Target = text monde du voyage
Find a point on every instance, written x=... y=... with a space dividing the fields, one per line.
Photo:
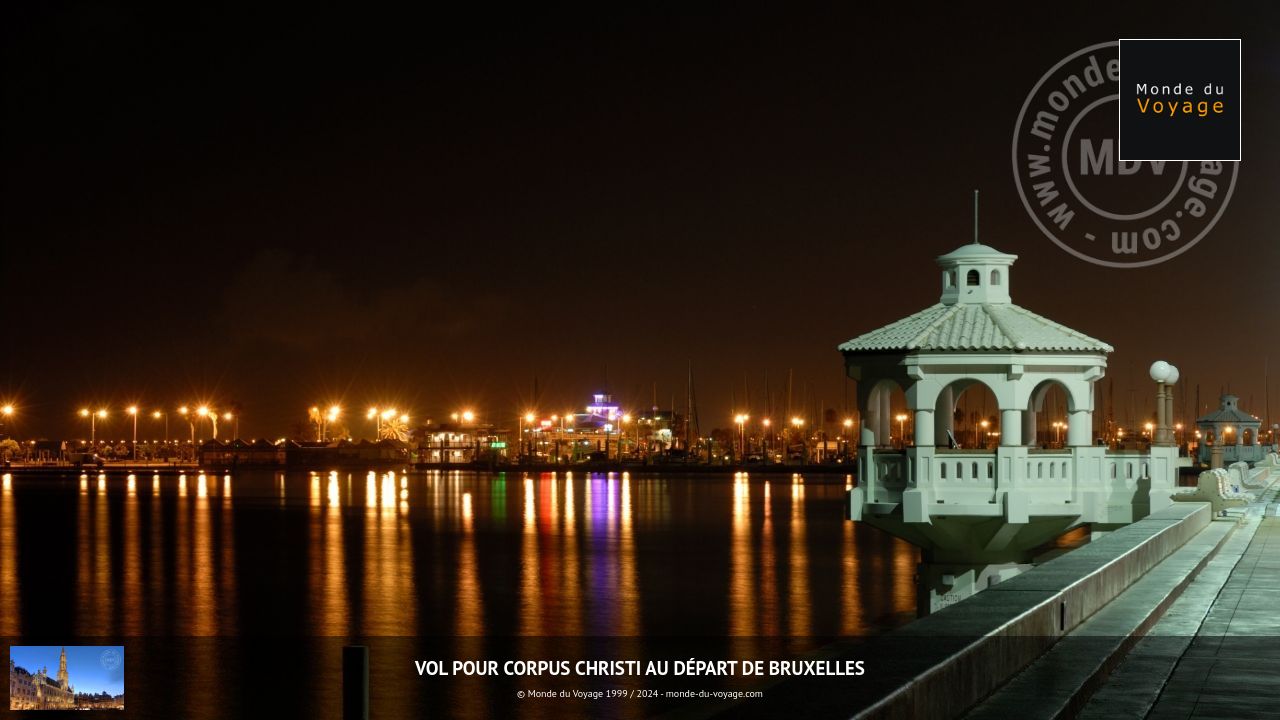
x=1172 y=101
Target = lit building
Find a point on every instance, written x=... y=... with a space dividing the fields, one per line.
x=601 y=414
x=459 y=442
x=656 y=430
x=39 y=691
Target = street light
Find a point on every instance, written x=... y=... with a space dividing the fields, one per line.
x=741 y=420
x=331 y=417
x=521 y=421
x=235 y=424
x=797 y=422
x=93 y=422
x=623 y=421
x=159 y=414
x=315 y=417
x=133 y=411
x=468 y=416
x=185 y=413
x=902 y=428
x=984 y=425
x=204 y=412
x=379 y=416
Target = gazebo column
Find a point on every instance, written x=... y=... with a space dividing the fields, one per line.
x=943 y=418
x=884 y=433
x=924 y=427
x=869 y=411
x=1010 y=428
x=1029 y=426
x=1079 y=428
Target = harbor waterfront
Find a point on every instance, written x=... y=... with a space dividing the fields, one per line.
x=208 y=578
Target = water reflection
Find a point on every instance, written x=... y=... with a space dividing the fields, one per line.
x=549 y=558
x=742 y=586
x=10 y=595
x=798 y=565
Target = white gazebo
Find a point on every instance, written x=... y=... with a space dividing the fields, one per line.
x=1232 y=432
x=977 y=513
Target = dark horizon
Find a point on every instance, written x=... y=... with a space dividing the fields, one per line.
x=283 y=209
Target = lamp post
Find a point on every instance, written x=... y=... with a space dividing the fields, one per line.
x=902 y=428
x=235 y=423
x=204 y=412
x=379 y=416
x=467 y=417
x=741 y=420
x=768 y=439
x=331 y=417
x=623 y=421
x=525 y=420
x=133 y=452
x=1166 y=376
x=846 y=434
x=93 y=422
x=159 y=414
x=984 y=425
x=186 y=414
x=6 y=412
x=560 y=434
x=798 y=423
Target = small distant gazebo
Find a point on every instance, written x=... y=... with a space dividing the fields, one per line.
x=1233 y=430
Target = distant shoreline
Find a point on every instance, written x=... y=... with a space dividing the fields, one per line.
x=651 y=469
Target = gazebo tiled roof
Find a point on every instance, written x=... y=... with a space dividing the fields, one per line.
x=969 y=327
x=1228 y=412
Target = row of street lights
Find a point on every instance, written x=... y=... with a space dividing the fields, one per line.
x=381 y=417
x=202 y=412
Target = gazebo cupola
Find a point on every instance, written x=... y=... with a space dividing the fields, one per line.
x=977 y=274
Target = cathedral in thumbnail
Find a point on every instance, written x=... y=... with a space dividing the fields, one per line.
x=39 y=691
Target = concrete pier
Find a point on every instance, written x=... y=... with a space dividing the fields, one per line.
x=1171 y=616
x=1216 y=653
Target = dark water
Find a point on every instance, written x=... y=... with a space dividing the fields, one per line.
x=233 y=593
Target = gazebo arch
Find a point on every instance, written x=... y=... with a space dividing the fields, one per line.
x=875 y=406
x=948 y=398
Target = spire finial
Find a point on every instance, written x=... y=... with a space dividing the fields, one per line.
x=975 y=217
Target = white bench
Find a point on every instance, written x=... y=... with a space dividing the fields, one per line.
x=1218 y=488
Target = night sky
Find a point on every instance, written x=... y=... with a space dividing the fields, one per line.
x=285 y=208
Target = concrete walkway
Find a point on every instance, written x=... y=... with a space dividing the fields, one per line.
x=1216 y=652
